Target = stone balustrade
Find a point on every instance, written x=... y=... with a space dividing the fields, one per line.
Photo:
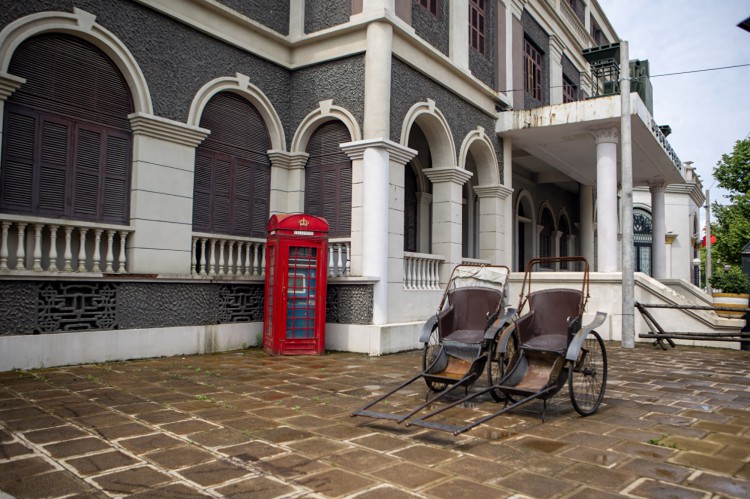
x=339 y=255
x=421 y=271
x=231 y=256
x=45 y=245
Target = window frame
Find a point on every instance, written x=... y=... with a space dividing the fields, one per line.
x=478 y=26
x=533 y=64
x=431 y=6
x=570 y=90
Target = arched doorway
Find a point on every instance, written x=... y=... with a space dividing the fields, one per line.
x=642 y=240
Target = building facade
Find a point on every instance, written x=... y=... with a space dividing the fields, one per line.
x=145 y=143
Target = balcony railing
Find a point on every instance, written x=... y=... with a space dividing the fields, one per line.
x=339 y=256
x=421 y=271
x=227 y=256
x=33 y=244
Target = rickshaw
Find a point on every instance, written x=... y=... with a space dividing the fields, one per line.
x=544 y=347
x=460 y=338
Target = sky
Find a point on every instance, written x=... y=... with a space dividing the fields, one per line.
x=707 y=111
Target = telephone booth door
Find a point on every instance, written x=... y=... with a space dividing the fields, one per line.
x=296 y=279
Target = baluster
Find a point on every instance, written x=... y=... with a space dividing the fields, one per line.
x=97 y=250
x=4 y=246
x=240 y=258
x=21 y=255
x=246 y=260
x=204 y=256
x=68 y=254
x=256 y=260
x=37 y=249
x=347 y=263
x=53 y=248
x=330 y=260
x=109 y=257
x=340 y=266
x=194 y=255
x=222 y=242
x=211 y=270
x=424 y=282
x=230 y=262
x=82 y=249
x=407 y=273
x=435 y=274
x=262 y=258
x=121 y=264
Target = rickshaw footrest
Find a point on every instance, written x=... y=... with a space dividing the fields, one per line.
x=377 y=415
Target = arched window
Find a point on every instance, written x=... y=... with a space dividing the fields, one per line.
x=545 y=236
x=328 y=178
x=642 y=238
x=411 y=209
x=67 y=143
x=232 y=169
x=564 y=228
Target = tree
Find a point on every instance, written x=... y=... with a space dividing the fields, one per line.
x=732 y=227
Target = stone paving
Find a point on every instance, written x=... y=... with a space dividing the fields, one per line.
x=242 y=424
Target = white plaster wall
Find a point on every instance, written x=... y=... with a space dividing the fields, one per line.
x=161 y=206
x=47 y=350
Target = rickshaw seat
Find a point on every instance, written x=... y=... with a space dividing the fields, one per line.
x=546 y=326
x=465 y=318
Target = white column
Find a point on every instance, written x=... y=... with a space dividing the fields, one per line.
x=658 y=220
x=458 y=45
x=447 y=185
x=377 y=166
x=424 y=201
x=296 y=20
x=287 y=182
x=491 y=234
x=161 y=211
x=555 y=70
x=506 y=215
x=586 y=225
x=606 y=197
x=378 y=80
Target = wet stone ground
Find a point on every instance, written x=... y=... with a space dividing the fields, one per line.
x=243 y=424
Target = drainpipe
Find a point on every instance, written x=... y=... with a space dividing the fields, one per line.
x=626 y=163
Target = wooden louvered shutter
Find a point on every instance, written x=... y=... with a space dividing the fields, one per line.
x=232 y=171
x=328 y=178
x=410 y=209
x=68 y=141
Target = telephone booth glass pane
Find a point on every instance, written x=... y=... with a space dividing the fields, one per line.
x=302 y=278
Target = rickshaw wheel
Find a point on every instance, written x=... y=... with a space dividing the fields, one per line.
x=587 y=377
x=429 y=352
x=499 y=364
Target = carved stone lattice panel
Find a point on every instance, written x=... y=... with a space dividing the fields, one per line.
x=241 y=303
x=146 y=305
x=75 y=306
x=18 y=301
x=349 y=304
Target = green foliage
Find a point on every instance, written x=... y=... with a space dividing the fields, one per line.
x=732 y=227
x=730 y=281
x=733 y=171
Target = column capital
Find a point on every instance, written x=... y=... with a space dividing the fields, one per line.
x=424 y=198
x=517 y=7
x=450 y=174
x=657 y=186
x=150 y=125
x=493 y=191
x=288 y=160
x=9 y=84
x=606 y=135
x=396 y=152
x=556 y=48
x=669 y=237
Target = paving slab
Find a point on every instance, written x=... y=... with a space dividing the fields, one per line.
x=244 y=424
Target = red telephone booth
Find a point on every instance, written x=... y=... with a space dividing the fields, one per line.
x=295 y=308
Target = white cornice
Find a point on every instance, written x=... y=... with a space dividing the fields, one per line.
x=493 y=191
x=288 y=160
x=396 y=152
x=165 y=129
x=451 y=174
x=9 y=84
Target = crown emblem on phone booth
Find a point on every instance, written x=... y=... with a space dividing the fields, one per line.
x=304 y=222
